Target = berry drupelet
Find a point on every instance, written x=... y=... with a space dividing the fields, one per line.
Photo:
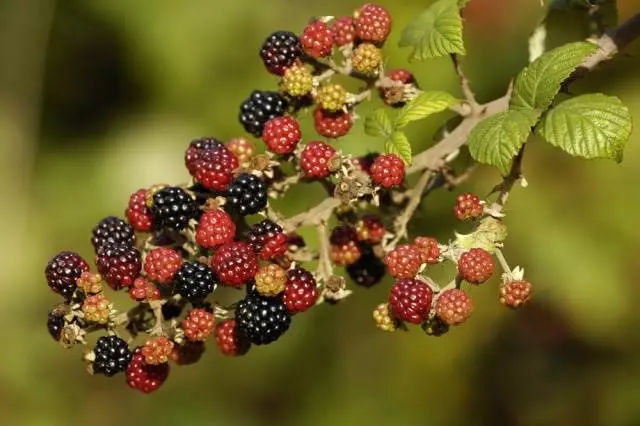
x=260 y=107
x=280 y=51
x=247 y=194
x=262 y=319
x=63 y=271
x=172 y=208
x=112 y=230
x=112 y=355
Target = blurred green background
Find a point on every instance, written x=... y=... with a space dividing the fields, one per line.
x=100 y=97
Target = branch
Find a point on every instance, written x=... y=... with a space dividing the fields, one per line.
x=464 y=84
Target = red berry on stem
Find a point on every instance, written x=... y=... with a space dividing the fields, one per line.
x=161 y=264
x=198 y=325
x=234 y=264
x=343 y=31
x=215 y=228
x=476 y=266
x=138 y=214
x=454 y=306
x=332 y=124
x=514 y=294
x=410 y=300
x=388 y=170
x=317 y=39
x=429 y=248
x=314 y=159
x=281 y=134
x=468 y=206
x=211 y=163
x=300 y=292
x=230 y=342
x=144 y=377
x=372 y=23
x=404 y=261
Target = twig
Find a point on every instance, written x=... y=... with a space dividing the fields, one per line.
x=325 y=268
x=313 y=216
x=156 y=308
x=402 y=221
x=503 y=263
x=464 y=84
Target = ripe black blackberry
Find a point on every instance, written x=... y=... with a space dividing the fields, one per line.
x=118 y=264
x=172 y=208
x=112 y=355
x=368 y=270
x=279 y=51
x=247 y=194
x=112 y=230
x=260 y=107
x=63 y=271
x=262 y=319
x=55 y=322
x=194 y=281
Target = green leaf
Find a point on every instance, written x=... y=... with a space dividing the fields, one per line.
x=399 y=144
x=589 y=126
x=435 y=32
x=424 y=105
x=378 y=124
x=540 y=82
x=497 y=139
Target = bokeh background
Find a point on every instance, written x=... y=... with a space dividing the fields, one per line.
x=100 y=97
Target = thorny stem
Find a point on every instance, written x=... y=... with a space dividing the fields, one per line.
x=503 y=263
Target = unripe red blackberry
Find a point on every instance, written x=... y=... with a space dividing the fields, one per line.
x=410 y=300
x=279 y=51
x=210 y=163
x=429 y=249
x=343 y=31
x=215 y=228
x=468 y=206
x=119 y=265
x=138 y=214
x=90 y=282
x=384 y=319
x=297 y=81
x=317 y=39
x=161 y=264
x=144 y=377
x=270 y=280
x=388 y=170
x=281 y=134
x=198 y=325
x=143 y=290
x=242 y=148
x=372 y=23
x=404 y=261
x=331 y=97
x=157 y=350
x=314 y=159
x=260 y=107
x=112 y=230
x=63 y=271
x=235 y=264
x=332 y=124
x=300 y=291
x=230 y=342
x=514 y=294
x=96 y=308
x=267 y=239
x=370 y=229
x=476 y=266
x=366 y=59
x=454 y=306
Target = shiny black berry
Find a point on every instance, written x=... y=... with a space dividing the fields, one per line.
x=118 y=264
x=55 y=323
x=261 y=232
x=260 y=107
x=368 y=270
x=279 y=51
x=172 y=208
x=262 y=319
x=194 y=281
x=247 y=194
x=63 y=271
x=112 y=230
x=112 y=355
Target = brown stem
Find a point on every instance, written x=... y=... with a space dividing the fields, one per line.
x=402 y=221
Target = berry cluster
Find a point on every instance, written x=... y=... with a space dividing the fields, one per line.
x=181 y=243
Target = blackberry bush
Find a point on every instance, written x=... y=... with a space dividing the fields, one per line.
x=220 y=227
